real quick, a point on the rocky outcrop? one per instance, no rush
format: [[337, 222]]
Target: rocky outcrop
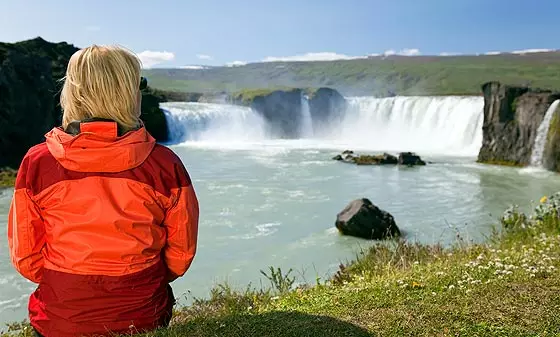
[[283, 109], [551, 155], [405, 159], [327, 107], [512, 116], [410, 159], [30, 73], [361, 218]]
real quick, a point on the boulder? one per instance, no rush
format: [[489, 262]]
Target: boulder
[[361, 218], [410, 159], [405, 158], [512, 116]]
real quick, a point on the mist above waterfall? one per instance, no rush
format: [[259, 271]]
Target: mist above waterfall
[[427, 125]]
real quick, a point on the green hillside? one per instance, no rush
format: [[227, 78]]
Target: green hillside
[[419, 75]]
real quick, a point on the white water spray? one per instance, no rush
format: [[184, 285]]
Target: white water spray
[[213, 122], [437, 125], [306, 120], [540, 139]]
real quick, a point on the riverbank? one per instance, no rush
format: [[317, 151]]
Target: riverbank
[[508, 286]]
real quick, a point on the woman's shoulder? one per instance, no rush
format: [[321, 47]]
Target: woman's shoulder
[[164, 154]]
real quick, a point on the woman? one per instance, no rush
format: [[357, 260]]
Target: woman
[[102, 217]]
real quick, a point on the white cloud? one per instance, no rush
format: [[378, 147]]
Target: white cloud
[[530, 51], [93, 28], [236, 64], [151, 58], [409, 52], [193, 67], [322, 56], [493, 53], [204, 57]]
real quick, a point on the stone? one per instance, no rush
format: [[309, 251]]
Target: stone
[[361, 218], [410, 159]]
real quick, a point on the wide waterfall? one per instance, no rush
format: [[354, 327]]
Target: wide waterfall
[[427, 125], [540, 139]]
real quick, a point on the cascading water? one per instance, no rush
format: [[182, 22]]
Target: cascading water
[[212, 122], [306, 120], [437, 125], [540, 139], [427, 125]]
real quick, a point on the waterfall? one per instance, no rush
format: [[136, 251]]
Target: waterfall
[[542, 132], [438, 125], [212, 122], [306, 127], [449, 125]]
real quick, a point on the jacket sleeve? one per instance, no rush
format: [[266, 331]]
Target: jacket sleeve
[[181, 222], [26, 233]]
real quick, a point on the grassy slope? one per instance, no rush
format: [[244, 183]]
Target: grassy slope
[[428, 75], [509, 286]]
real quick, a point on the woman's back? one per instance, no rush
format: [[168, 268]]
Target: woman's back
[[102, 220]]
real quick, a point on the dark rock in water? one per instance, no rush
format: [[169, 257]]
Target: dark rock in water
[[512, 116], [406, 158], [361, 218], [410, 159], [338, 157], [389, 159]]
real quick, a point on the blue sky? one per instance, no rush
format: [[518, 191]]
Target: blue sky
[[178, 33]]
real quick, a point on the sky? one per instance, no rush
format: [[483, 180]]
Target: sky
[[167, 33]]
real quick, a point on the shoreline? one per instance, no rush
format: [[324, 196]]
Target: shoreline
[[398, 287]]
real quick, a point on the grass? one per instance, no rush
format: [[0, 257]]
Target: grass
[[7, 177], [506, 286], [423, 75]]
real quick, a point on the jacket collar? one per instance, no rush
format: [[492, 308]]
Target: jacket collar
[[97, 125]]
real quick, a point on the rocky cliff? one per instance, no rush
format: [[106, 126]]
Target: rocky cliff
[[512, 116], [30, 73], [283, 109]]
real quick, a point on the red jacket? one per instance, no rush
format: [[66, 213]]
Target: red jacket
[[102, 223]]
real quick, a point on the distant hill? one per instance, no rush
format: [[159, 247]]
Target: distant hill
[[380, 75]]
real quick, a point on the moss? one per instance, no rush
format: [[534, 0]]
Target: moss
[[501, 162], [246, 96], [7, 177]]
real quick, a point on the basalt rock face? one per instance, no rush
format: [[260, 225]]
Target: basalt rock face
[[30, 83], [27, 97], [327, 107], [283, 110], [512, 116]]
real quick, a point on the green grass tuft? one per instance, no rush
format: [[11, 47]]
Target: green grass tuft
[[7, 177]]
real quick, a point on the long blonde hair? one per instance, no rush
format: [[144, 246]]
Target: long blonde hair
[[102, 82]]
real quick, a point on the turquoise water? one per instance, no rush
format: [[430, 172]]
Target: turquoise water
[[274, 203]]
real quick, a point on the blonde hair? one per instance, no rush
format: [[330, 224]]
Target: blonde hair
[[102, 82]]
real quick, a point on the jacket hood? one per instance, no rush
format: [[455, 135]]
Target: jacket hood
[[98, 147]]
